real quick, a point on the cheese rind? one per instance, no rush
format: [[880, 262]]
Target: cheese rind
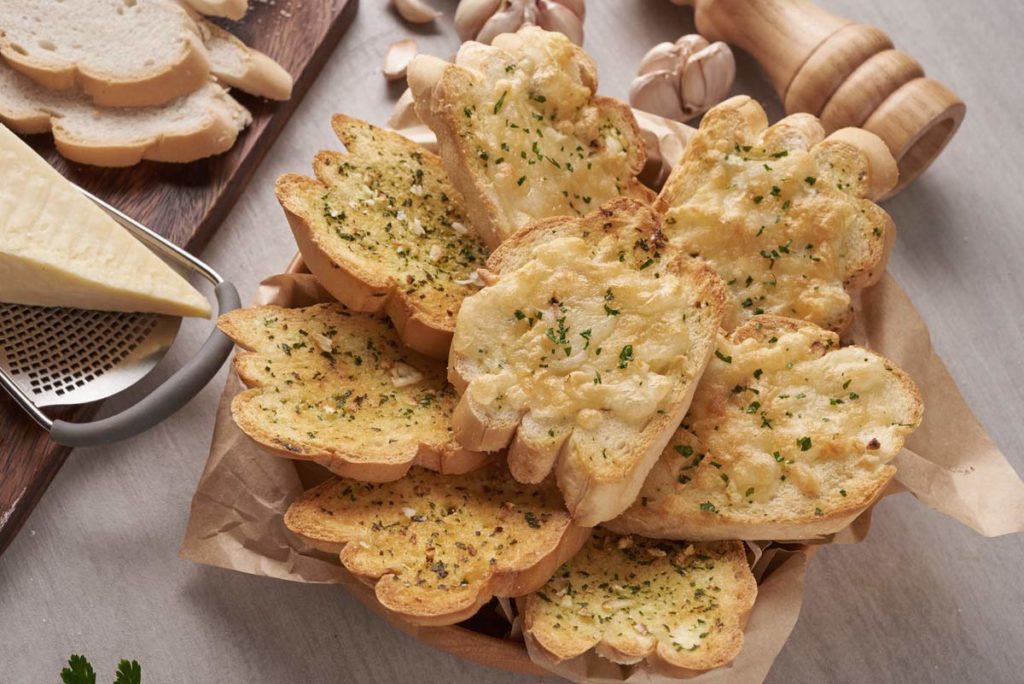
[[57, 248]]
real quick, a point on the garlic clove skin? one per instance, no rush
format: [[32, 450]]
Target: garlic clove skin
[[706, 79], [552, 16], [657, 93], [471, 15], [396, 61], [507, 20], [416, 11], [661, 57]]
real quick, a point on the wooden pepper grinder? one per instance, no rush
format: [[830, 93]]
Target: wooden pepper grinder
[[847, 74]]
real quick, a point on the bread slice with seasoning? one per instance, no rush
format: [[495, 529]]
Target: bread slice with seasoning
[[383, 229], [522, 133], [201, 124], [435, 547], [584, 352], [788, 437], [783, 214], [680, 607], [337, 387]]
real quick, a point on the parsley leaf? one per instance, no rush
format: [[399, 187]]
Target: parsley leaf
[[78, 671], [128, 673]]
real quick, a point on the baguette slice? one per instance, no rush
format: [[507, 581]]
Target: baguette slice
[[383, 230], [229, 9], [522, 133], [787, 438], [439, 547], [584, 354], [337, 388], [201, 124], [120, 54], [784, 215], [631, 599]]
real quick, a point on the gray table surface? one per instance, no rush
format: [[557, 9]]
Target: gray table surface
[[95, 570]]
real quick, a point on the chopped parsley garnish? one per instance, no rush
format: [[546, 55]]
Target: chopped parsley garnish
[[684, 450], [625, 356], [500, 103], [804, 443], [810, 180], [723, 357], [708, 506]]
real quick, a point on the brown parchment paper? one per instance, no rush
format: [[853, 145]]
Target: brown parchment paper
[[236, 519]]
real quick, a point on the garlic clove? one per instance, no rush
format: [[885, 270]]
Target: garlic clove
[[661, 57], [578, 7], [507, 20], [471, 15], [404, 113], [396, 62], [416, 11], [552, 16], [690, 44], [657, 93], [706, 79]]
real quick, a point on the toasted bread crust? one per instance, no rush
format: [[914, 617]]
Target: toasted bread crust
[[438, 548], [674, 604], [542, 79], [793, 449], [783, 213], [596, 485], [337, 388], [344, 240]]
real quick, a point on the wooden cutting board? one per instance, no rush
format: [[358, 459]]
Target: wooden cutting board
[[185, 203]]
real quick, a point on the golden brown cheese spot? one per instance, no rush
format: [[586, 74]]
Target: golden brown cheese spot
[[782, 236], [538, 137], [394, 211], [588, 338], [636, 593]]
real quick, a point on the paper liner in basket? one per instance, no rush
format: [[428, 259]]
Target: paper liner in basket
[[236, 519]]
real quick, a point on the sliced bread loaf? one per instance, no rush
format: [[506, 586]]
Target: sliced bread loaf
[[783, 215], [788, 437], [229, 9], [237, 65], [584, 352], [522, 133], [203, 123], [679, 606], [437, 547], [383, 230], [337, 387]]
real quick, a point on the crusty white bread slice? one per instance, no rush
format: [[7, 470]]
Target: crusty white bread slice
[[120, 54], [200, 124], [783, 214], [229, 9], [584, 353], [522, 133], [336, 387], [788, 437], [438, 547], [382, 229], [679, 606], [237, 65]]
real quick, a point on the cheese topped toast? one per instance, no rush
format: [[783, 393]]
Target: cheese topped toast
[[584, 353], [522, 133], [783, 215], [337, 387], [438, 547], [788, 437], [382, 229], [631, 599]]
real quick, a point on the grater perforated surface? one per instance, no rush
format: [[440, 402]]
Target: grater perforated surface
[[72, 356]]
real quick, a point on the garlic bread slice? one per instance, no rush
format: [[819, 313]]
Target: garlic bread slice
[[583, 353], [383, 229], [438, 547], [788, 437], [783, 215], [337, 387], [522, 133], [632, 599]]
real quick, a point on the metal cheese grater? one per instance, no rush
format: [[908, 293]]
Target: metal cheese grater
[[59, 356]]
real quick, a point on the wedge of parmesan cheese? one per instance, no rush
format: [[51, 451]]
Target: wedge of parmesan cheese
[[57, 248]]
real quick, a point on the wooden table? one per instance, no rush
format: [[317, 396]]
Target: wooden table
[[96, 571]]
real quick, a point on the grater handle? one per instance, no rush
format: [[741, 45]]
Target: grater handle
[[166, 399]]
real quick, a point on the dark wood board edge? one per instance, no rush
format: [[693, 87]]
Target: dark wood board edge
[[28, 459]]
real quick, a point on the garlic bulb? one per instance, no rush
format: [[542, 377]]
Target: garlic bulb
[[683, 79], [482, 20]]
